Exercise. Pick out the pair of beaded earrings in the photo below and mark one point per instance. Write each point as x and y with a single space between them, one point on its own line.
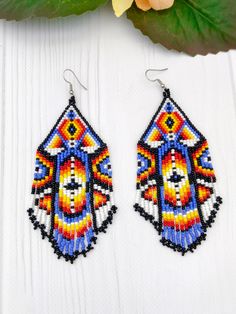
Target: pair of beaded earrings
72 194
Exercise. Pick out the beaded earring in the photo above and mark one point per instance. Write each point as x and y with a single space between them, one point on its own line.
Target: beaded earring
72 194
176 183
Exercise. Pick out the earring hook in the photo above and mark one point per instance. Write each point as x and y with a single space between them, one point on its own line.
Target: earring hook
67 81
156 79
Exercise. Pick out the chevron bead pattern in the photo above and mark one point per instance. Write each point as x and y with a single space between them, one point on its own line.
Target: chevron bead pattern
72 194
176 183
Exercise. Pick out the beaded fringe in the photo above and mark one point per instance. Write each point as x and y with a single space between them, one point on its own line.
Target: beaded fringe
176 184
72 193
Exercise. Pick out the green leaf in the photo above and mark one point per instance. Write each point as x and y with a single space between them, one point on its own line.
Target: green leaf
192 26
21 9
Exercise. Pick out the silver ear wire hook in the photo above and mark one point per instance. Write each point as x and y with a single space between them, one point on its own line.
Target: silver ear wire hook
156 79
67 81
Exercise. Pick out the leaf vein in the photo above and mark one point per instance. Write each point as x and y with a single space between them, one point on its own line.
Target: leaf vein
193 6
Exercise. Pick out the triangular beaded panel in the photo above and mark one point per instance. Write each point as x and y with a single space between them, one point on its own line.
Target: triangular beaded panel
176 183
72 194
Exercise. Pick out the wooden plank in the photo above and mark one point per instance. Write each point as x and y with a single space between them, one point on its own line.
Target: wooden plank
128 271
2 110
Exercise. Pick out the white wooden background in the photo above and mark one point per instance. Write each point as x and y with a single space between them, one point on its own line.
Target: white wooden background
129 271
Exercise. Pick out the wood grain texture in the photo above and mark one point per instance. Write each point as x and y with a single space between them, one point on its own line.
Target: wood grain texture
129 271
